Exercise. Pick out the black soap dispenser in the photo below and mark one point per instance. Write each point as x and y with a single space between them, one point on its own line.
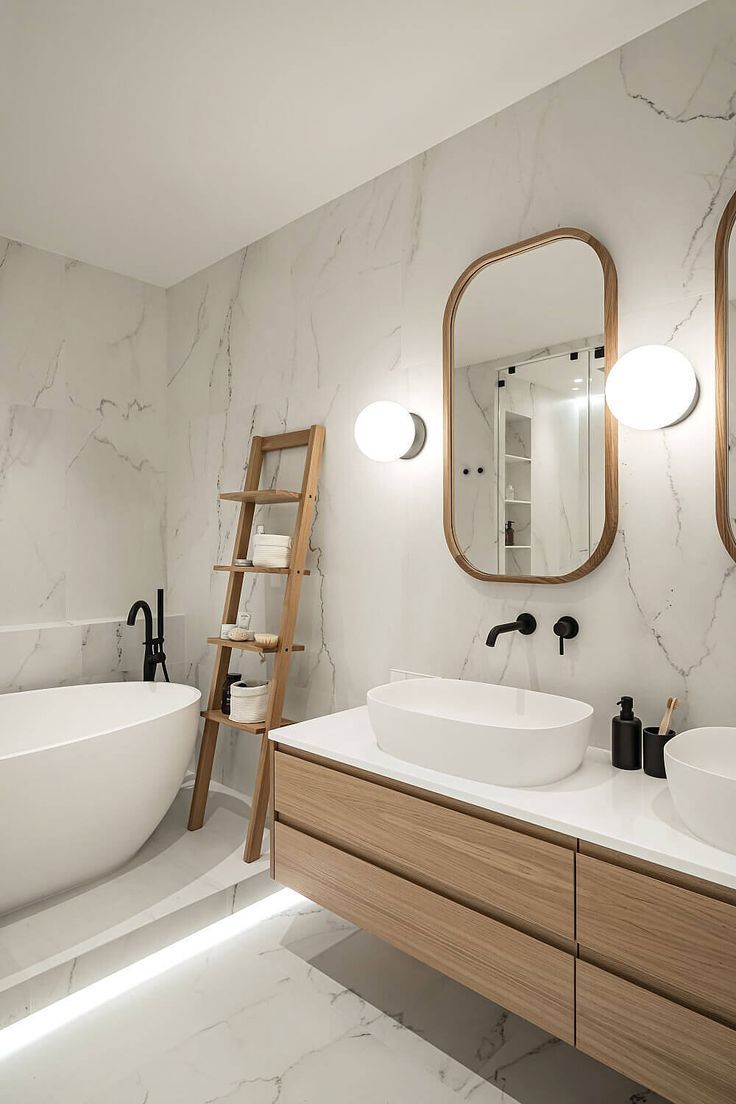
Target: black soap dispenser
626 737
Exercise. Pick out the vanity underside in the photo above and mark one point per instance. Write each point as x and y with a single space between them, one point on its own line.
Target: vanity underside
632 963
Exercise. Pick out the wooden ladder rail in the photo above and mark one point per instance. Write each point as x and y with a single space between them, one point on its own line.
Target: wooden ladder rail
313 439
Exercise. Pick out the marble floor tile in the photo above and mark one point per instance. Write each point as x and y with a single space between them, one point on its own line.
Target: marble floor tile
305 1009
105 958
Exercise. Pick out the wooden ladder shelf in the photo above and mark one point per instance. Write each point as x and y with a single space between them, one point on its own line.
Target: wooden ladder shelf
251 496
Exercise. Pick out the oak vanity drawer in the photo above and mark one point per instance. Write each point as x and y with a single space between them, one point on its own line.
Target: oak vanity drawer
686 1057
523 974
681 942
465 856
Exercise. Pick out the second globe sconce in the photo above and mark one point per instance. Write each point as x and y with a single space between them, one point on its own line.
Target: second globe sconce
388 431
652 387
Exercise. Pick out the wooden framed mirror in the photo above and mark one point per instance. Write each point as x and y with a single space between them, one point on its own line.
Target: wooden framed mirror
725 300
531 450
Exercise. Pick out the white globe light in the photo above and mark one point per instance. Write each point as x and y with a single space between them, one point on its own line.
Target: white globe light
651 387
385 431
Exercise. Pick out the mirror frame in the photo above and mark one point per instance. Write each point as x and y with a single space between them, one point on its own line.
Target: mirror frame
610 436
723 237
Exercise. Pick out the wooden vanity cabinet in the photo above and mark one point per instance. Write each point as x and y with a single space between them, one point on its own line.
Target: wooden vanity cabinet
632 963
673 938
489 906
656 976
523 974
445 846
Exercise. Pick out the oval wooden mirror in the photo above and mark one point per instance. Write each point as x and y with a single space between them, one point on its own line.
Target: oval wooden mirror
531 469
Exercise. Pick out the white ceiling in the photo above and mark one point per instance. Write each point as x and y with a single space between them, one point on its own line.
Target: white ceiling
153 137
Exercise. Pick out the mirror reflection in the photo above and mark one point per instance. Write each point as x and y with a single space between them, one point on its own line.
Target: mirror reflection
528 362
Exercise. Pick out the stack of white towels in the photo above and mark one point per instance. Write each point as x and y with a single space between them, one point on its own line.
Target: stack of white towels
271 550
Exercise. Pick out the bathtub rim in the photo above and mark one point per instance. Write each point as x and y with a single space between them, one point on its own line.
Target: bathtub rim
108 731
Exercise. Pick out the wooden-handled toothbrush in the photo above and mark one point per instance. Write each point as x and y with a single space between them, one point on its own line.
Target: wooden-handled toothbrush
672 704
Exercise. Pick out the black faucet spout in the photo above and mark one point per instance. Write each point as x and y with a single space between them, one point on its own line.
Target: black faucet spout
525 624
154 645
135 609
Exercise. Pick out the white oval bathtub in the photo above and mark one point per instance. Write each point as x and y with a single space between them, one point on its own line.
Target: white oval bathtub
86 774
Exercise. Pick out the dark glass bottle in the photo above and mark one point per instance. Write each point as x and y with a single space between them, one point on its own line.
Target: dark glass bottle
229 680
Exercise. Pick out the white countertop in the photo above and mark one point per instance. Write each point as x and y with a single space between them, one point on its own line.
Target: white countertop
624 810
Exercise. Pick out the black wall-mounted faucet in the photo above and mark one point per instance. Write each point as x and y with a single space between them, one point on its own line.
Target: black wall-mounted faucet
566 628
525 623
154 645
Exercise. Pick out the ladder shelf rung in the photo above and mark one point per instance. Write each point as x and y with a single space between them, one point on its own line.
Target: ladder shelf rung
260 570
266 496
222 718
249 645
276 441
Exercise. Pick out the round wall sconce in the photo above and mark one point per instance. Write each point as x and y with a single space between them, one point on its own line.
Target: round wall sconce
652 387
388 431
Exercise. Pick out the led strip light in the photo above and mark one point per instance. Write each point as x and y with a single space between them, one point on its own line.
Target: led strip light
39 1024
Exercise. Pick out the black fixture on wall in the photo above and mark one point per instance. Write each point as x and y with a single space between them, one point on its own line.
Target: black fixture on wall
566 628
525 624
154 645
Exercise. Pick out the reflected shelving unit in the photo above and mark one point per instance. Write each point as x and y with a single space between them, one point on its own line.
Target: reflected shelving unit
516 472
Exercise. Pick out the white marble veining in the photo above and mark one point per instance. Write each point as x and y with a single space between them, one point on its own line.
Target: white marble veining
304 1009
345 306
82 459
625 810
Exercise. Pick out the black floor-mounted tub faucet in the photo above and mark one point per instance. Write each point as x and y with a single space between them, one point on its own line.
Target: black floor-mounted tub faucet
154 645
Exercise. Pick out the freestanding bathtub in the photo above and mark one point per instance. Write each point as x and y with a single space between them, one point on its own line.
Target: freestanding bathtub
86 774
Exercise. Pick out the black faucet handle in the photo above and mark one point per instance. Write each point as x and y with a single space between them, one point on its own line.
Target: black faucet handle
566 628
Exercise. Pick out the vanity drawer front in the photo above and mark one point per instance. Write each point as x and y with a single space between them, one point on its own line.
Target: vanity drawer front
686 1057
465 856
521 973
678 940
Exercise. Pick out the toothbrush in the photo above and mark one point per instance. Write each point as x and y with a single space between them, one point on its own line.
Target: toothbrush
672 704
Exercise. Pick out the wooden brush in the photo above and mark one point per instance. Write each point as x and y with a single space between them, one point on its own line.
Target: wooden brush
672 704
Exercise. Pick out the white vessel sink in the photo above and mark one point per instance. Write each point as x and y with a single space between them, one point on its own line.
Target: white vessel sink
475 730
701 771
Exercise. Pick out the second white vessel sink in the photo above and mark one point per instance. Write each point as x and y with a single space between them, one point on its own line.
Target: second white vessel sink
476 730
701 772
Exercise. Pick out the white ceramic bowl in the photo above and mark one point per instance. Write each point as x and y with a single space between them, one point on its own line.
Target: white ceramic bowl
701 773
497 734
